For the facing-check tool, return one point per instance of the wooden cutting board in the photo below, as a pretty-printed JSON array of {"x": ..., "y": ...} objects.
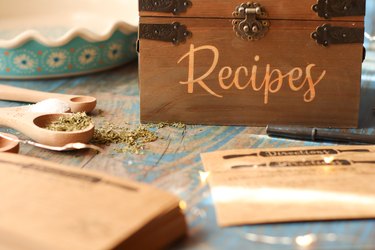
[{"x": 48, "y": 206}]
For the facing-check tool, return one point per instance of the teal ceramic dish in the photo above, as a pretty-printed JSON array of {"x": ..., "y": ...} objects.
[{"x": 65, "y": 38}]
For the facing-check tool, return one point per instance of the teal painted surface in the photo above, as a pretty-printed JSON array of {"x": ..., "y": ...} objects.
[
  {"x": 173, "y": 163},
  {"x": 79, "y": 56}
]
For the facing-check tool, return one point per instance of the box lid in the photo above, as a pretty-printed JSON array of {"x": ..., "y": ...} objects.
[{"x": 346, "y": 10}]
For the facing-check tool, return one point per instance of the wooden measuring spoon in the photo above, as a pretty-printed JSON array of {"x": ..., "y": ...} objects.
[
  {"x": 8, "y": 145},
  {"x": 77, "y": 103},
  {"x": 33, "y": 125}
]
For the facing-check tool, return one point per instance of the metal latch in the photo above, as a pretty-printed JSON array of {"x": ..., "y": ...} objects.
[
  {"x": 175, "y": 33},
  {"x": 168, "y": 6},
  {"x": 340, "y": 8},
  {"x": 251, "y": 27},
  {"x": 328, "y": 34}
]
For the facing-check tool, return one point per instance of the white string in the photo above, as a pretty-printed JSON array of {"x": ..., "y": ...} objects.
[{"x": 70, "y": 146}]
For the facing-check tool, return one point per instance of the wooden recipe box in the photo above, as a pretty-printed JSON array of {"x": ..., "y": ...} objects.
[{"x": 229, "y": 62}]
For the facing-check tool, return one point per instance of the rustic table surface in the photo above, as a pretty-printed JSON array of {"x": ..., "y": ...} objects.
[{"x": 173, "y": 163}]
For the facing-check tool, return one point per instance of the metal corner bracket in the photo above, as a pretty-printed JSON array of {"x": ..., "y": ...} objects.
[
  {"x": 168, "y": 6},
  {"x": 328, "y": 34},
  {"x": 339, "y": 8},
  {"x": 175, "y": 33}
]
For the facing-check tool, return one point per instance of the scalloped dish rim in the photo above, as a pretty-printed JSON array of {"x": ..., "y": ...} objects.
[{"x": 84, "y": 33}]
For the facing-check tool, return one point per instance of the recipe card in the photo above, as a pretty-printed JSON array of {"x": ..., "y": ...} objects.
[{"x": 292, "y": 184}]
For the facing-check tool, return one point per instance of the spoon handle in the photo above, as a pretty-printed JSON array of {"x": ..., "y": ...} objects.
[
  {"x": 16, "y": 117},
  {"x": 77, "y": 103},
  {"x": 11, "y": 93}
]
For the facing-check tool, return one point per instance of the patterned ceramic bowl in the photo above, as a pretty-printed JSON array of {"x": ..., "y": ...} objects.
[{"x": 55, "y": 38}]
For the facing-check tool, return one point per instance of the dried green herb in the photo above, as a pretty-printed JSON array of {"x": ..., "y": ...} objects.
[
  {"x": 133, "y": 138},
  {"x": 73, "y": 122},
  {"x": 178, "y": 125},
  {"x": 166, "y": 124}
]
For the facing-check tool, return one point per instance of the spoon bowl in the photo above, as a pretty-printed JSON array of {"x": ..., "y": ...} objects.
[
  {"x": 8, "y": 145},
  {"x": 82, "y": 103},
  {"x": 34, "y": 126},
  {"x": 59, "y": 138}
]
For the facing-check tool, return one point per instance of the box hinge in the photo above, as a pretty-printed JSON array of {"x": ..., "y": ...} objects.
[
  {"x": 327, "y": 35},
  {"x": 175, "y": 33},
  {"x": 340, "y": 8},
  {"x": 168, "y": 6}
]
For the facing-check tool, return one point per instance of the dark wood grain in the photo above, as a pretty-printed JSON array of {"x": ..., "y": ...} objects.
[
  {"x": 286, "y": 46},
  {"x": 276, "y": 9}
]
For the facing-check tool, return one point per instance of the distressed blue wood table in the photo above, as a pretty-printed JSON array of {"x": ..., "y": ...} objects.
[{"x": 173, "y": 163}]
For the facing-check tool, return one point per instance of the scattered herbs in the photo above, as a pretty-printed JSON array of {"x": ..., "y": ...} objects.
[
  {"x": 74, "y": 122},
  {"x": 166, "y": 124},
  {"x": 178, "y": 125},
  {"x": 134, "y": 138}
]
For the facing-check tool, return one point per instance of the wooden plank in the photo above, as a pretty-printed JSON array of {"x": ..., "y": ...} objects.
[
  {"x": 50, "y": 206},
  {"x": 172, "y": 162},
  {"x": 307, "y": 84},
  {"x": 280, "y": 9}
]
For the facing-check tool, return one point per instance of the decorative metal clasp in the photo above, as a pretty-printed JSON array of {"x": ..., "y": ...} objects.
[
  {"x": 169, "y": 6},
  {"x": 340, "y": 8},
  {"x": 175, "y": 33},
  {"x": 251, "y": 27},
  {"x": 327, "y": 34}
]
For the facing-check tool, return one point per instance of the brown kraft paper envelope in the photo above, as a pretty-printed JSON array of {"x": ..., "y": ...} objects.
[{"x": 338, "y": 184}]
